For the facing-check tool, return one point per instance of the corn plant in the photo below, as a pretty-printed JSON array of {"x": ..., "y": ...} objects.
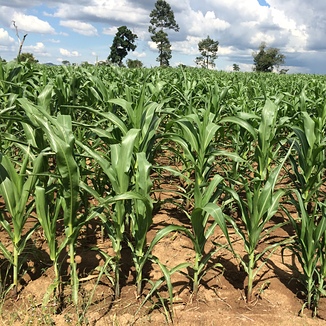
[
  {"x": 309, "y": 247},
  {"x": 321, "y": 288},
  {"x": 118, "y": 169},
  {"x": 259, "y": 201},
  {"x": 309, "y": 166},
  {"x": 128, "y": 209},
  {"x": 143, "y": 115},
  {"x": 48, "y": 209},
  {"x": 195, "y": 138},
  {"x": 141, "y": 217},
  {"x": 61, "y": 140},
  {"x": 16, "y": 187}
]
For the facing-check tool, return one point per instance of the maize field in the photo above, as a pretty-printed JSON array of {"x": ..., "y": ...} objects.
[{"x": 147, "y": 196}]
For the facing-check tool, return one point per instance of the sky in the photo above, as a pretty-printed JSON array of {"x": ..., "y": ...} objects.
[{"x": 83, "y": 30}]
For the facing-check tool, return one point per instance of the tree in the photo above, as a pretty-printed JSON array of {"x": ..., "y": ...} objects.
[
  {"x": 134, "y": 63},
  {"x": 236, "y": 67},
  {"x": 162, "y": 17},
  {"x": 164, "y": 47},
  {"x": 66, "y": 62},
  {"x": 123, "y": 42},
  {"x": 27, "y": 57},
  {"x": 267, "y": 58},
  {"x": 208, "y": 49}
]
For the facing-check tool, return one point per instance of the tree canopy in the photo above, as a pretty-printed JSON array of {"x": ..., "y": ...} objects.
[
  {"x": 27, "y": 57},
  {"x": 267, "y": 58},
  {"x": 162, "y": 17},
  {"x": 134, "y": 63},
  {"x": 208, "y": 49},
  {"x": 236, "y": 67},
  {"x": 123, "y": 42}
]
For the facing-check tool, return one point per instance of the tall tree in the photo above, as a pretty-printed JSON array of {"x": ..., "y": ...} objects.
[
  {"x": 123, "y": 42},
  {"x": 208, "y": 49},
  {"x": 267, "y": 58},
  {"x": 162, "y": 17}
]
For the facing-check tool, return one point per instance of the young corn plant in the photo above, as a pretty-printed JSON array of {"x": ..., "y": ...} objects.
[
  {"x": 48, "y": 210},
  {"x": 141, "y": 114},
  {"x": 308, "y": 166},
  {"x": 141, "y": 217},
  {"x": 259, "y": 202},
  {"x": 128, "y": 209},
  {"x": 195, "y": 137},
  {"x": 308, "y": 163},
  {"x": 118, "y": 167},
  {"x": 59, "y": 134},
  {"x": 16, "y": 188},
  {"x": 321, "y": 291},
  {"x": 112, "y": 122},
  {"x": 309, "y": 247}
]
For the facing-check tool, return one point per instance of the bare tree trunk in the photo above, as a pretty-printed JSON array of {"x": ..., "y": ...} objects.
[
  {"x": 21, "y": 42},
  {"x": 21, "y": 47},
  {"x": 161, "y": 54}
]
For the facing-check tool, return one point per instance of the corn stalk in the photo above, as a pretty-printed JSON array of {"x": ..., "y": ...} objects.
[{"x": 16, "y": 187}]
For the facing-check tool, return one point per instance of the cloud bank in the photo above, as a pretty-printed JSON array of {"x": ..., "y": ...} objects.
[{"x": 296, "y": 27}]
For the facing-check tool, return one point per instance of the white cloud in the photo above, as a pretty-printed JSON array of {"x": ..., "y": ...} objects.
[
  {"x": 54, "y": 41},
  {"x": 110, "y": 30},
  {"x": 208, "y": 24},
  {"x": 5, "y": 39},
  {"x": 67, "y": 53},
  {"x": 188, "y": 46},
  {"x": 122, "y": 11},
  {"x": 38, "y": 49},
  {"x": 138, "y": 54},
  {"x": 31, "y": 24},
  {"x": 152, "y": 45},
  {"x": 226, "y": 50},
  {"x": 80, "y": 27},
  {"x": 259, "y": 37}
]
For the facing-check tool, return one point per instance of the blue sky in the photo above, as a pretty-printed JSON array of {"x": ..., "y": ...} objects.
[
  {"x": 263, "y": 3},
  {"x": 84, "y": 30}
]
